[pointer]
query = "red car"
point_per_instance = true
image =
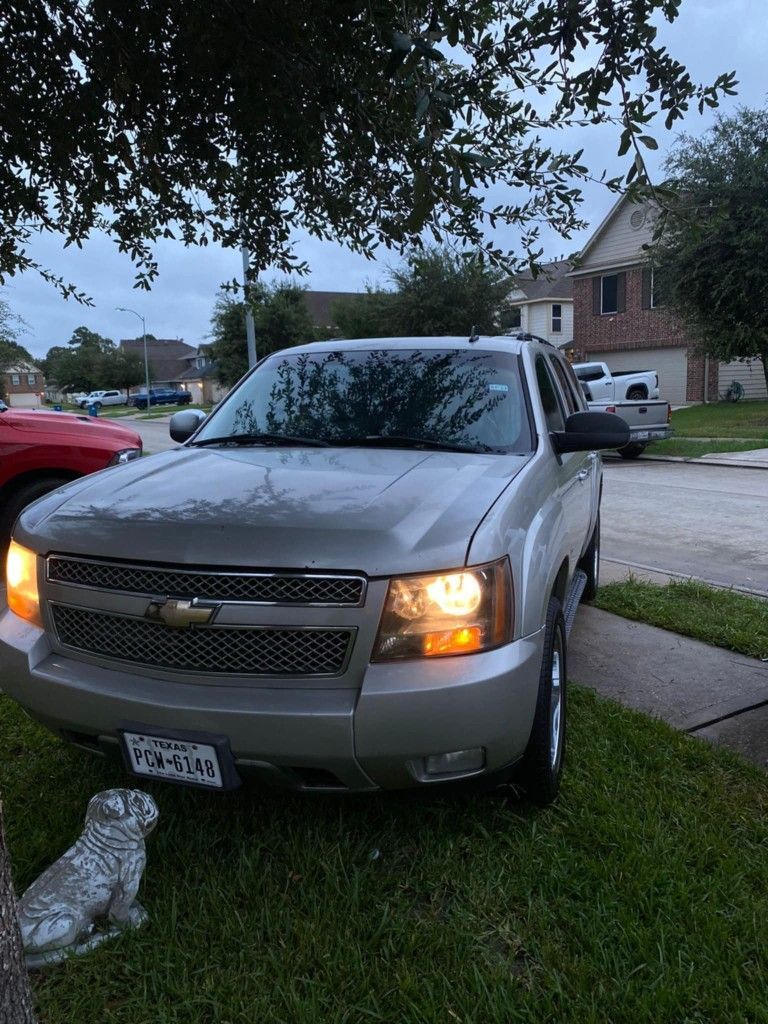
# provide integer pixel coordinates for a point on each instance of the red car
(41, 450)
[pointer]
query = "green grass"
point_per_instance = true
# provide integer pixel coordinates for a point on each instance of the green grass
(642, 896)
(720, 617)
(723, 419)
(695, 449)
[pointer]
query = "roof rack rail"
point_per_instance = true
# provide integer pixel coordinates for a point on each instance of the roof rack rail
(525, 336)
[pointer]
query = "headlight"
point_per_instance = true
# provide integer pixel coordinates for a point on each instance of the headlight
(21, 577)
(450, 613)
(126, 455)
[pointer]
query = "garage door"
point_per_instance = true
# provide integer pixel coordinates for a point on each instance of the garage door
(671, 364)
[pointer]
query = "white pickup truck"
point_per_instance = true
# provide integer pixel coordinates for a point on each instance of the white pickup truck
(600, 385)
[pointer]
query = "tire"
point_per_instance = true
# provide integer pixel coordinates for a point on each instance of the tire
(17, 502)
(541, 769)
(637, 394)
(97, 405)
(590, 564)
(631, 450)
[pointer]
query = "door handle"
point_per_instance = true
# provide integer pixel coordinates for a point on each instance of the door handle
(582, 474)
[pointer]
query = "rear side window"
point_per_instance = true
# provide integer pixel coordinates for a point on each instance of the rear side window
(549, 399)
(572, 403)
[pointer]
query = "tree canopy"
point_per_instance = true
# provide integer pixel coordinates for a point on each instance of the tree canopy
(89, 361)
(711, 253)
(281, 319)
(371, 123)
(11, 351)
(434, 291)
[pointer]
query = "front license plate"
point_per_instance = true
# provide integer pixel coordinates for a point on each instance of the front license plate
(161, 757)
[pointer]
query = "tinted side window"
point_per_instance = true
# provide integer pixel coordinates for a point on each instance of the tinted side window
(571, 401)
(549, 400)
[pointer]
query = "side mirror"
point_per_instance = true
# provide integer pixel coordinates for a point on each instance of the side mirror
(184, 424)
(590, 431)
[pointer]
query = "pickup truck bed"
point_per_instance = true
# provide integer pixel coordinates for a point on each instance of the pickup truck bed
(647, 421)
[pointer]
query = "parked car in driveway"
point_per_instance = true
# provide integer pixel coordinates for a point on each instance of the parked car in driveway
(161, 396)
(100, 398)
(647, 421)
(628, 386)
(358, 573)
(41, 450)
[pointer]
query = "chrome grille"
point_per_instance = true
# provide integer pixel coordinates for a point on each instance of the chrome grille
(257, 588)
(255, 651)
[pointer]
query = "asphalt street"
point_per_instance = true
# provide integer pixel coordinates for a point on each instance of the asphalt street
(689, 519)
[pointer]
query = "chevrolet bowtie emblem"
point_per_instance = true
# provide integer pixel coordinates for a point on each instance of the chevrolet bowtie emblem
(181, 614)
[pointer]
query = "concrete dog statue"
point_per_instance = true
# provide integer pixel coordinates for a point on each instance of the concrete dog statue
(96, 878)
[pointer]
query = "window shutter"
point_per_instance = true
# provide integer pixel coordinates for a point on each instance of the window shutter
(621, 293)
(646, 287)
(596, 295)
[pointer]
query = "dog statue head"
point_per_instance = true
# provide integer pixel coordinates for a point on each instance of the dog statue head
(132, 812)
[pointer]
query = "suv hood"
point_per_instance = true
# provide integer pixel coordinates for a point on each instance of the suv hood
(378, 511)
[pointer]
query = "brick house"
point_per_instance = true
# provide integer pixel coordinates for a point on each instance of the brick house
(168, 360)
(544, 305)
(619, 313)
(23, 385)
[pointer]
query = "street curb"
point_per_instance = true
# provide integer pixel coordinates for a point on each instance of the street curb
(729, 464)
(638, 569)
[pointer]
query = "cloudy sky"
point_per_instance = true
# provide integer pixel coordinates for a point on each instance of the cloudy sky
(710, 36)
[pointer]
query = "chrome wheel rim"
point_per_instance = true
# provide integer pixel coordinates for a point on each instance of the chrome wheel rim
(556, 705)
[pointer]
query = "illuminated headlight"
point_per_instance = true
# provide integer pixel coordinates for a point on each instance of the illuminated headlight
(126, 455)
(21, 578)
(450, 613)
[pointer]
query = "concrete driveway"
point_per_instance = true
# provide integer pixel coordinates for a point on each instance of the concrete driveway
(691, 519)
(154, 433)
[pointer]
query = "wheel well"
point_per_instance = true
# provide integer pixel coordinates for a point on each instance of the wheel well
(561, 582)
(638, 387)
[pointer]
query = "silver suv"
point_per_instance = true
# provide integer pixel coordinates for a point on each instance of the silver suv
(357, 573)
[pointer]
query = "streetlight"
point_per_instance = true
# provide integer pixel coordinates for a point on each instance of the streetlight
(122, 309)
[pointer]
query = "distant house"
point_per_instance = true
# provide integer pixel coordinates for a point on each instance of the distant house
(168, 359)
(320, 306)
(24, 385)
(620, 316)
(544, 305)
(200, 377)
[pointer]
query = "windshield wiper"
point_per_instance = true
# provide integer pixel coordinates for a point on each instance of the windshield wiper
(406, 441)
(257, 439)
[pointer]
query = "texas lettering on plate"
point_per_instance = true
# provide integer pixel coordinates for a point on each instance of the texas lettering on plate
(167, 758)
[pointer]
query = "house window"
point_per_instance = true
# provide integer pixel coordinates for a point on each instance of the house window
(31, 379)
(657, 295)
(15, 378)
(515, 319)
(557, 317)
(609, 293)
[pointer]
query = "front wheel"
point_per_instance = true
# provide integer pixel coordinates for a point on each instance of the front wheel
(541, 768)
(631, 450)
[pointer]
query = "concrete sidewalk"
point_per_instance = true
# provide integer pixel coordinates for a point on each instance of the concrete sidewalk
(755, 459)
(706, 691)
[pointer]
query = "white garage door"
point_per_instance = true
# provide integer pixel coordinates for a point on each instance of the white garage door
(27, 400)
(671, 364)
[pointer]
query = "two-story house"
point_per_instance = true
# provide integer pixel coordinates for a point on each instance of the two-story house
(23, 385)
(544, 305)
(620, 316)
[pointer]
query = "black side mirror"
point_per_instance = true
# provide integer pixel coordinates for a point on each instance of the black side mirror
(591, 431)
(184, 424)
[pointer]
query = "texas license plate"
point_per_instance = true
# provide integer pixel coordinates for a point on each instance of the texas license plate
(642, 435)
(181, 757)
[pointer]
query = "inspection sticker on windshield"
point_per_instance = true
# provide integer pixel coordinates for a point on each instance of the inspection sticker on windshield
(498, 387)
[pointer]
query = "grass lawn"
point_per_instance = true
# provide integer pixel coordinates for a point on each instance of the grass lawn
(695, 449)
(642, 896)
(723, 419)
(720, 617)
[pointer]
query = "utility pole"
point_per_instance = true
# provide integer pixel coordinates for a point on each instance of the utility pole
(122, 309)
(250, 329)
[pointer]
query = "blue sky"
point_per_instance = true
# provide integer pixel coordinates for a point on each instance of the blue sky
(710, 36)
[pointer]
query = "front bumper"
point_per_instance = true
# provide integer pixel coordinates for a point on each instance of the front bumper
(337, 738)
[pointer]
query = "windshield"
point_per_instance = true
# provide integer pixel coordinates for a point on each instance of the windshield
(470, 399)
